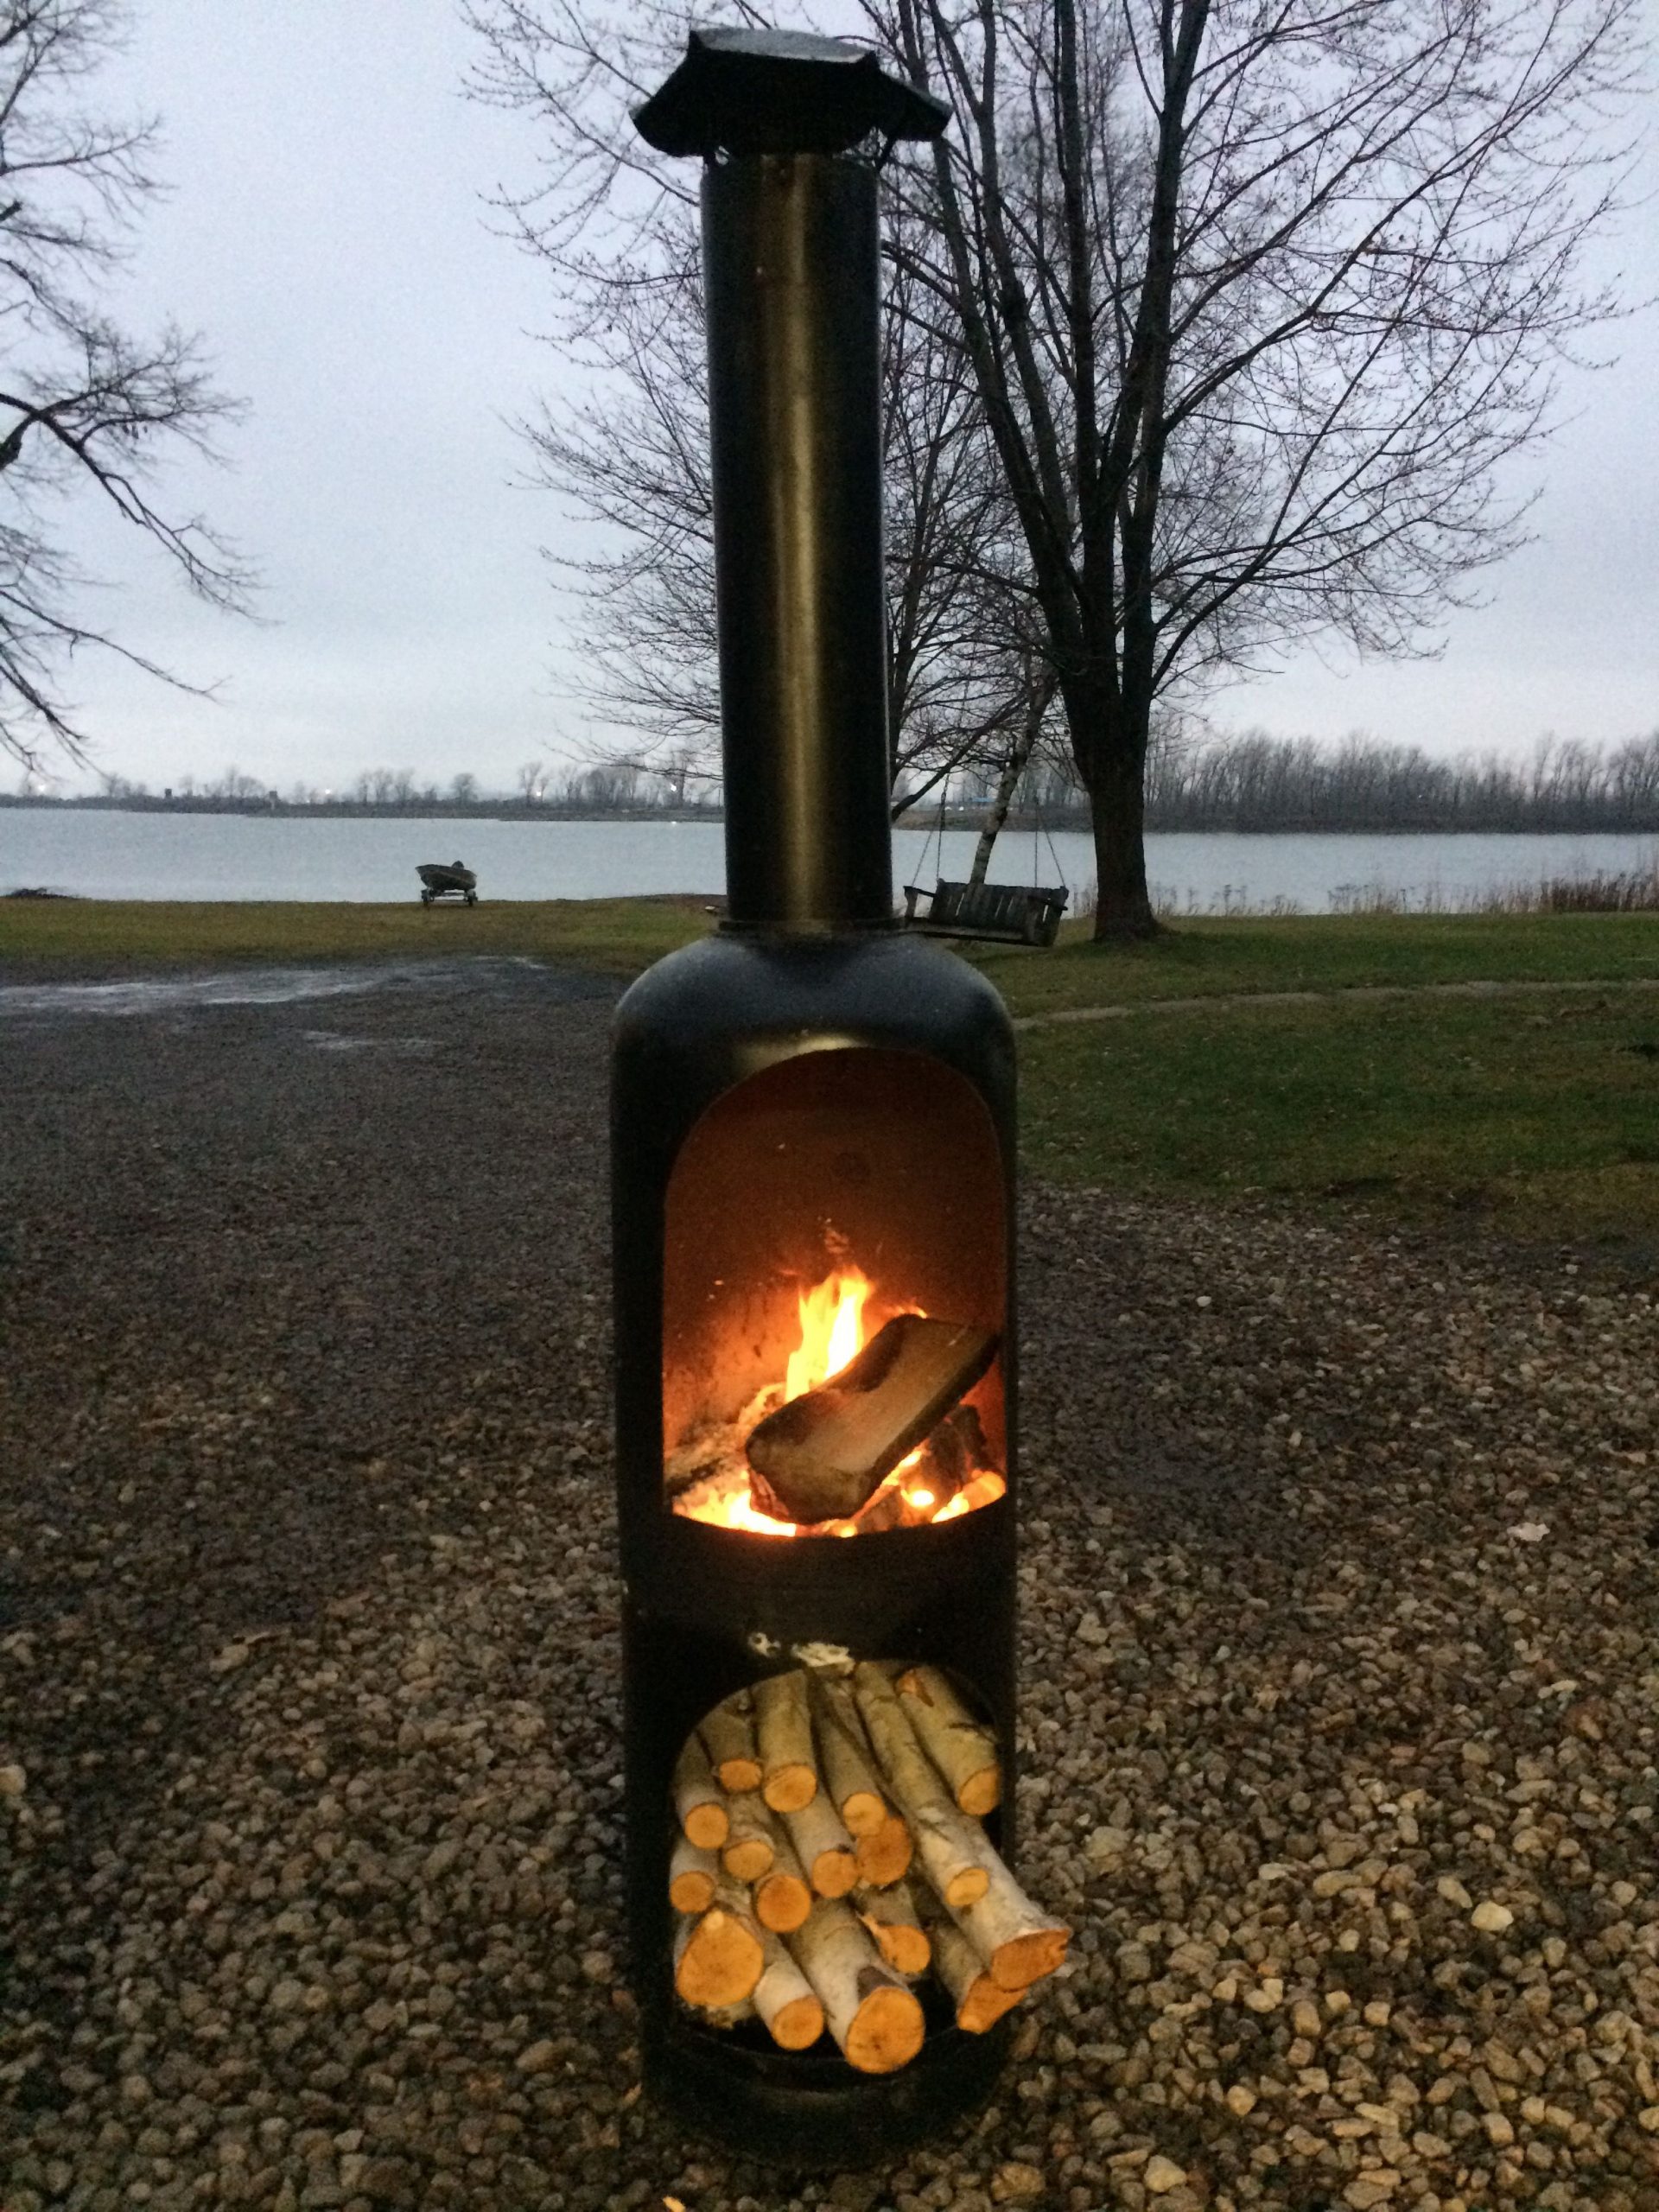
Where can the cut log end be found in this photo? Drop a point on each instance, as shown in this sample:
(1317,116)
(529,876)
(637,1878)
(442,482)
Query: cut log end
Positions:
(835,1871)
(722,1961)
(788,1788)
(782,1901)
(737,1776)
(863,1811)
(796,2025)
(981,1793)
(1029,1957)
(884,1853)
(706,1825)
(691,1891)
(984,2005)
(906,1949)
(747,1858)
(885,2032)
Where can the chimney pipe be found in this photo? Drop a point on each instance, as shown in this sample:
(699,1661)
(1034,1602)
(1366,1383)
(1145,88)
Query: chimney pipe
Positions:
(792,299)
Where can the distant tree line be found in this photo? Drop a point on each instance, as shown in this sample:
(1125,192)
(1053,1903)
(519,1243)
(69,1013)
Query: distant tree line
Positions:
(1262,783)
(1254,783)
(608,787)
(1258,783)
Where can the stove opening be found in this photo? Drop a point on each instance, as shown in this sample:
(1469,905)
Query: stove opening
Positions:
(835,1300)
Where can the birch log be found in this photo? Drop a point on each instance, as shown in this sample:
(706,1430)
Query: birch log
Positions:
(891,1918)
(697,1798)
(876,2021)
(691,1875)
(751,1847)
(729,1733)
(783,1896)
(1017,1940)
(787,2002)
(723,1955)
(824,1847)
(783,1730)
(962,1748)
(953,1850)
(848,1761)
(980,2002)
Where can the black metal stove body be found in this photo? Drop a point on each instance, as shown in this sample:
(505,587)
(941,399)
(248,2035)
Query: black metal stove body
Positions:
(809,1081)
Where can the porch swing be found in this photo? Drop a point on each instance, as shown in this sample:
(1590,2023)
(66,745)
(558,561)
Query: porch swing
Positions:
(993,913)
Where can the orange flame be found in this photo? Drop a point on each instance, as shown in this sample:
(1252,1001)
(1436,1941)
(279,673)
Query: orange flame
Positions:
(832,1330)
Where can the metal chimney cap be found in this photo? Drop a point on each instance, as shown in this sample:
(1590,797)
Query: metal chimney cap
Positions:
(740,92)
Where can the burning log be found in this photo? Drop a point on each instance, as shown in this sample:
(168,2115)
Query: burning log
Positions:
(849,1762)
(692,1872)
(979,2001)
(891,1918)
(783,1896)
(751,1847)
(956,1448)
(823,1455)
(783,1727)
(719,1957)
(786,2001)
(823,1847)
(729,1733)
(697,1798)
(954,1851)
(876,2021)
(962,1748)
(1017,1940)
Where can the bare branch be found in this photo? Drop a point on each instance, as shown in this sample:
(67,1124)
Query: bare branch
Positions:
(84,408)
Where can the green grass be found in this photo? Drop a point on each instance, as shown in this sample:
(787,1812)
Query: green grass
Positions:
(1539,1116)
(1331,952)
(620,936)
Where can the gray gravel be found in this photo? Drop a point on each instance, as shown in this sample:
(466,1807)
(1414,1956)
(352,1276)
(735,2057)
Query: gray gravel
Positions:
(1341,1627)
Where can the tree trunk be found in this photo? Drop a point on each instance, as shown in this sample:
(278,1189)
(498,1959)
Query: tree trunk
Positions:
(997,813)
(1040,691)
(1117,795)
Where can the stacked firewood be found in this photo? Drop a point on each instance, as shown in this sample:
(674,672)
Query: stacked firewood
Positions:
(831,1853)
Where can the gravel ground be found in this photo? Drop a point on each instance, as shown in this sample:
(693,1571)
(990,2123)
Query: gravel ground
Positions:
(1341,1663)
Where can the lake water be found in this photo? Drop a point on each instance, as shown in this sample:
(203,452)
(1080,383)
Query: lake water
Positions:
(101,852)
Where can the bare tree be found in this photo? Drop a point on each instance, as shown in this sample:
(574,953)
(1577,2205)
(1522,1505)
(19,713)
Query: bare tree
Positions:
(1259,300)
(626,449)
(86,408)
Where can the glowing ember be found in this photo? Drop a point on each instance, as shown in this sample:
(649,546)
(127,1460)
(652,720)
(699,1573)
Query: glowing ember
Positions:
(724,1501)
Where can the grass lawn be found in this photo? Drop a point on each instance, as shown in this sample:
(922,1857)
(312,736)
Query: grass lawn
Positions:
(620,936)
(1198,958)
(1537,1114)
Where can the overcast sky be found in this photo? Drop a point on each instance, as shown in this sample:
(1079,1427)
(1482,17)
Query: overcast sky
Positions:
(325,230)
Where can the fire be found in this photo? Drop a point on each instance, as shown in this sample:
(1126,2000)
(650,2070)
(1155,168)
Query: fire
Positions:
(714,1472)
(832,1331)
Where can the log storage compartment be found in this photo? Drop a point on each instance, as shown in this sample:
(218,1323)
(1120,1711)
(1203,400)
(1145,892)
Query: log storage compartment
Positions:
(812,1162)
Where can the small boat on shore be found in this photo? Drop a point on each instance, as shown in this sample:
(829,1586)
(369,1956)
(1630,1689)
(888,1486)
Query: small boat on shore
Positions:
(452,881)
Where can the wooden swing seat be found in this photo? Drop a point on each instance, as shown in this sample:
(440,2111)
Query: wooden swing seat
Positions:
(999,914)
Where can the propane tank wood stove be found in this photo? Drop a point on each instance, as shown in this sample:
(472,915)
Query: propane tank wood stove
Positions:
(813,1145)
